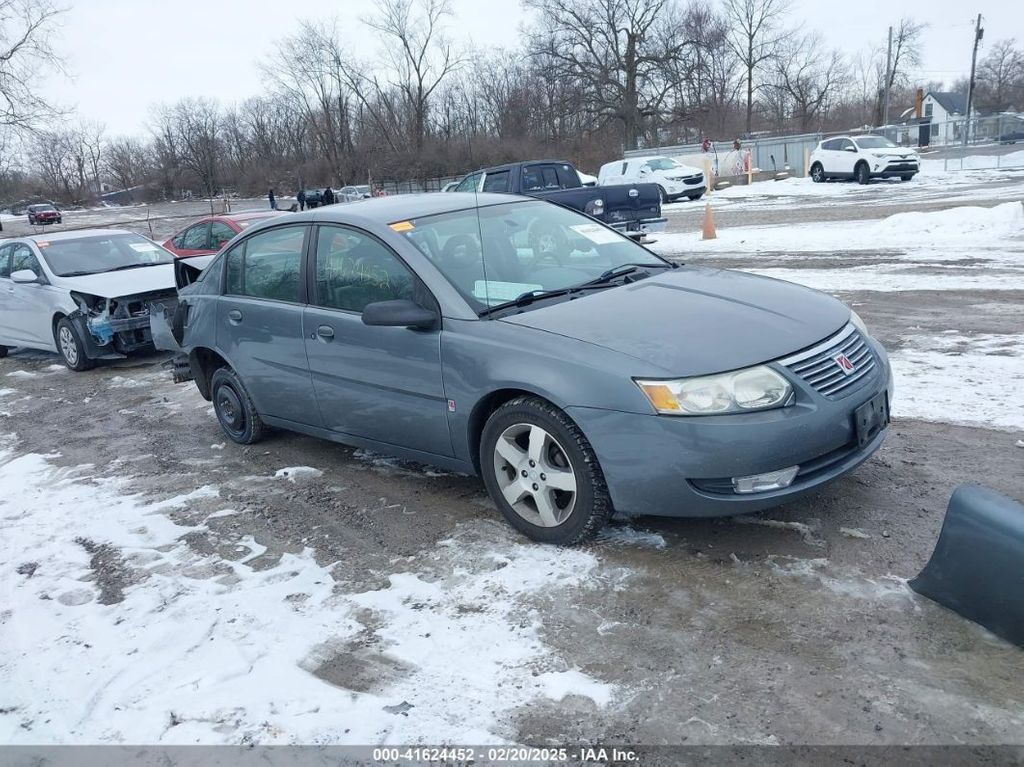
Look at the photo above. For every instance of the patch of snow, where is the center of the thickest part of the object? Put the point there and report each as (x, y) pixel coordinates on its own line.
(120, 382)
(203, 649)
(853, 532)
(293, 473)
(968, 380)
(888, 278)
(21, 374)
(630, 536)
(806, 530)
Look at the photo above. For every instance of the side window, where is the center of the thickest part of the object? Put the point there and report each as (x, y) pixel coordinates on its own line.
(496, 182)
(846, 144)
(5, 261)
(268, 265)
(469, 183)
(928, 109)
(568, 178)
(220, 235)
(24, 258)
(353, 270)
(194, 238)
(538, 178)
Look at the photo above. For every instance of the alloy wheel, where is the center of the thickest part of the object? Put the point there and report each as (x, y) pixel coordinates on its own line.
(535, 475)
(68, 347)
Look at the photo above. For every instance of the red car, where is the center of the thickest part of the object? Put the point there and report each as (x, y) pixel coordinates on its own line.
(43, 213)
(210, 234)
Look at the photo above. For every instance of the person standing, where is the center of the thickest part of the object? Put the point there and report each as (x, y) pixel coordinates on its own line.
(301, 196)
(273, 200)
(328, 196)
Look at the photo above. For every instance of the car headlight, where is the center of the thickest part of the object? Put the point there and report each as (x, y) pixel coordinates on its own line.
(741, 391)
(858, 323)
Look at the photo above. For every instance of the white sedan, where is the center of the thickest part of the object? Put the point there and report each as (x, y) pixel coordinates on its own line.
(863, 158)
(87, 295)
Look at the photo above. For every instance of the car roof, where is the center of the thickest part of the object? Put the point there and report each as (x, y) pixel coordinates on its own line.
(386, 210)
(249, 215)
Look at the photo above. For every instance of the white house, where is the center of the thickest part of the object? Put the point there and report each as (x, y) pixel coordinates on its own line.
(946, 111)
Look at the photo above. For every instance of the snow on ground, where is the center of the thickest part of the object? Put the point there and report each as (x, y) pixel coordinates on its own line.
(897, 277)
(963, 227)
(970, 380)
(973, 162)
(115, 630)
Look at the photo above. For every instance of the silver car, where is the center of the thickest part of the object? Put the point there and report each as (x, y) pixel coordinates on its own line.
(576, 380)
(87, 295)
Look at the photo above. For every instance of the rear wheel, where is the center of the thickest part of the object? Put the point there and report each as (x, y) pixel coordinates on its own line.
(906, 177)
(70, 346)
(542, 473)
(863, 173)
(817, 173)
(3, 351)
(235, 410)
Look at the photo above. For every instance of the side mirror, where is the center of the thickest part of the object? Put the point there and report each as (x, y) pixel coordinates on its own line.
(400, 313)
(850, 149)
(24, 277)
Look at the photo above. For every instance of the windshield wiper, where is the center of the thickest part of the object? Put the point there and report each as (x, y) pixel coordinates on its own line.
(133, 266)
(76, 274)
(622, 270)
(527, 298)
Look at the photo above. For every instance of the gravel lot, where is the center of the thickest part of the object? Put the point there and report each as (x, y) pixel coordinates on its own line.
(795, 626)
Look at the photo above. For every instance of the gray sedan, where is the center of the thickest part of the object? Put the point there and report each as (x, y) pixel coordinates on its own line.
(581, 378)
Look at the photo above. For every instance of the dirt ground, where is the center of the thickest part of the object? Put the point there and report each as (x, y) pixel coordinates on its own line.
(793, 626)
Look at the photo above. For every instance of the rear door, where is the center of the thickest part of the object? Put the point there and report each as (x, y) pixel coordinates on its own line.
(194, 241)
(378, 383)
(259, 322)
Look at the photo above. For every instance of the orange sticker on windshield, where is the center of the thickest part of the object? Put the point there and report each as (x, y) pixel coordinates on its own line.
(402, 226)
(42, 244)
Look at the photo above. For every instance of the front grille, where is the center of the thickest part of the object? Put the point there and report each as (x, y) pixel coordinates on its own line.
(694, 179)
(822, 372)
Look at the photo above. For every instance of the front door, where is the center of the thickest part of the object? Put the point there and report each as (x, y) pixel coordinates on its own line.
(29, 306)
(378, 383)
(259, 322)
(846, 157)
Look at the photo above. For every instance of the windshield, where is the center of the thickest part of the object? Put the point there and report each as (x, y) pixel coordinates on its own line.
(874, 142)
(101, 253)
(498, 253)
(40, 208)
(662, 163)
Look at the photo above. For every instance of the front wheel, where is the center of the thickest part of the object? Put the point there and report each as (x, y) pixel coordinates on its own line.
(695, 196)
(817, 173)
(235, 410)
(906, 177)
(542, 473)
(3, 351)
(70, 347)
(863, 173)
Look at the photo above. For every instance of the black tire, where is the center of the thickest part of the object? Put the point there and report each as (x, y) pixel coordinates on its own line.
(70, 346)
(906, 177)
(234, 408)
(3, 351)
(695, 196)
(863, 173)
(818, 173)
(591, 505)
(60, 220)
(663, 195)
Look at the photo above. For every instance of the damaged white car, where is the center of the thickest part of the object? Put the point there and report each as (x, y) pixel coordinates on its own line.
(88, 295)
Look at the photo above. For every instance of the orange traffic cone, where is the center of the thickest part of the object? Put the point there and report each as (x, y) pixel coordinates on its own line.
(709, 223)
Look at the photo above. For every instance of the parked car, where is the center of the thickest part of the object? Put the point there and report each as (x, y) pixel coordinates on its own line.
(634, 209)
(863, 158)
(86, 295)
(210, 234)
(674, 179)
(43, 213)
(1012, 131)
(586, 179)
(353, 193)
(450, 186)
(314, 198)
(574, 382)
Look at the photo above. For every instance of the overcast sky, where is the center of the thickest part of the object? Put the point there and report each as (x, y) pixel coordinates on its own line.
(125, 55)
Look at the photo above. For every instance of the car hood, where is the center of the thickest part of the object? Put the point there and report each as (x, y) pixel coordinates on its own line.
(145, 279)
(892, 152)
(696, 320)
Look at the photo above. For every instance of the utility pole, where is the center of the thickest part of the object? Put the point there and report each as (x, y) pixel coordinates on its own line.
(888, 80)
(978, 34)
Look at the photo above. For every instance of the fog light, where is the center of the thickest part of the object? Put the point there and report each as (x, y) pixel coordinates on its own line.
(760, 483)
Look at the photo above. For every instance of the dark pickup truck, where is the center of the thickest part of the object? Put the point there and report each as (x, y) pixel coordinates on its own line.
(633, 209)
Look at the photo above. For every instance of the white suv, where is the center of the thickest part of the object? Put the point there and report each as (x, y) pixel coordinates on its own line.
(863, 158)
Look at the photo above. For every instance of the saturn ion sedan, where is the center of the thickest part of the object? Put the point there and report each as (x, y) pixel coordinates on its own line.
(592, 378)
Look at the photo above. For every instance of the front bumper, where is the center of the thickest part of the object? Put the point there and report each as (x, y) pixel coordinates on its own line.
(685, 188)
(674, 466)
(891, 168)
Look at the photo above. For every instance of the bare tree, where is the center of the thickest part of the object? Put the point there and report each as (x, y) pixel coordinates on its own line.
(126, 162)
(420, 55)
(808, 79)
(758, 31)
(189, 137)
(25, 55)
(1000, 80)
(619, 52)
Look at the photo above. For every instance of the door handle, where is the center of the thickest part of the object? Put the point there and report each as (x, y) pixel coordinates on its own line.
(326, 332)
(234, 316)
